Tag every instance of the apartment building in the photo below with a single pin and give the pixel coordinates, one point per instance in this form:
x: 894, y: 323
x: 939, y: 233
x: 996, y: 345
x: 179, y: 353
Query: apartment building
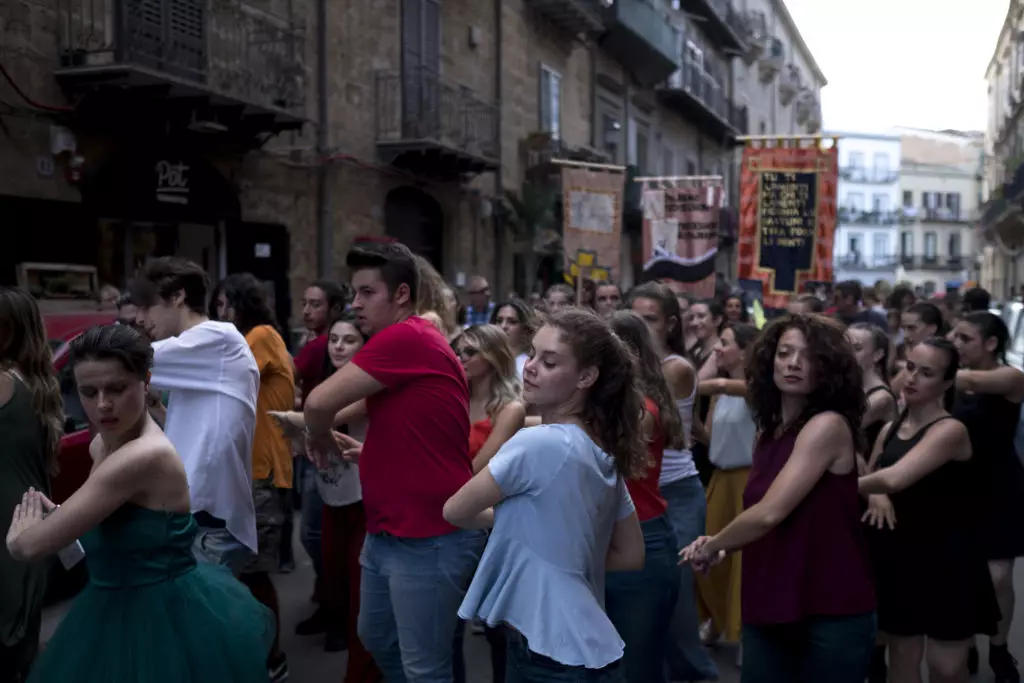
x: 270, y: 135
x: 940, y: 182
x: 778, y: 80
x: 867, y: 226
x: 1001, y: 225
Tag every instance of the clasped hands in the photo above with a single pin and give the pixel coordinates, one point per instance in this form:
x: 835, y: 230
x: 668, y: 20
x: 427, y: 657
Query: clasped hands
x: 698, y: 556
x: 320, y: 446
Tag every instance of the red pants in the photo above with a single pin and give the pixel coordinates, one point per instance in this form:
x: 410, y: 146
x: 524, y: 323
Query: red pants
x: 344, y: 529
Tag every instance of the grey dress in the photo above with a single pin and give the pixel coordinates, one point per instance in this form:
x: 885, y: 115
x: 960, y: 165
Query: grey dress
x: 22, y: 585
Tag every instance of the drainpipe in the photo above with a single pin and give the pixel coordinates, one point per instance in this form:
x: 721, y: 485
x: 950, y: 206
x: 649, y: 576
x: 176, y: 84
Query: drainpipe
x: 497, y: 215
x: 324, y: 234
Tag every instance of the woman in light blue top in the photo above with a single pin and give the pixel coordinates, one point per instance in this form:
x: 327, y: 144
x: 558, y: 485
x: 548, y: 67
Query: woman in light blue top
x: 556, y: 497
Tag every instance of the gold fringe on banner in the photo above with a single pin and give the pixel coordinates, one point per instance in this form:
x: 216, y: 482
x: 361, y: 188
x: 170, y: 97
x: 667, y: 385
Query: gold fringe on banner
x: 589, y: 166
x: 788, y: 141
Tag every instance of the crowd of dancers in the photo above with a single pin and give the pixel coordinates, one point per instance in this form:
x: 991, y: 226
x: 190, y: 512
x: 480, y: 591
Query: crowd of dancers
x: 604, y: 484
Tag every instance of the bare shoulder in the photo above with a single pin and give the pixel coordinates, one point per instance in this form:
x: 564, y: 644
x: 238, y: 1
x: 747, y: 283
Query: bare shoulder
x: 826, y: 427
x: 514, y: 411
x: 678, y: 372
x: 950, y: 431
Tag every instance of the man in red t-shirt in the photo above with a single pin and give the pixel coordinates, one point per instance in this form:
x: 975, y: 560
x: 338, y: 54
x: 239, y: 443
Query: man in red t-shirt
x: 416, y: 566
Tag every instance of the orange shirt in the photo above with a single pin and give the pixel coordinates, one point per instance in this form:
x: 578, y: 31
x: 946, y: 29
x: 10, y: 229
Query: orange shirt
x: 271, y: 452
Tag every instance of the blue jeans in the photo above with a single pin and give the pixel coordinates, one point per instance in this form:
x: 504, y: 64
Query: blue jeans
x: 814, y: 650
x: 688, y: 659
x: 640, y: 604
x: 217, y: 546
x: 410, y: 595
x: 525, y: 666
x: 311, y: 519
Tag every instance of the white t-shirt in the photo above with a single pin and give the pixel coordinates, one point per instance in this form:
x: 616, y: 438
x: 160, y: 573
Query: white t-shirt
x: 214, y: 382
x: 339, y: 484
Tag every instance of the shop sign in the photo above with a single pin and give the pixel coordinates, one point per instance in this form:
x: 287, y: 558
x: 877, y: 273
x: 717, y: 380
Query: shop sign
x: 172, y: 182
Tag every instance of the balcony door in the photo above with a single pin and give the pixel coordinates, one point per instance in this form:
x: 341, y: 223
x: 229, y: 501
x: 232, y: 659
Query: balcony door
x: 421, y: 89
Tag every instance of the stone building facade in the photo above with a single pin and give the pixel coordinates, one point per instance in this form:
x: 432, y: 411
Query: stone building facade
x: 129, y: 136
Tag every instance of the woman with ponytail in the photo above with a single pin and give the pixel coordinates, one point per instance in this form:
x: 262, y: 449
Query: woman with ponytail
x: 871, y: 348
x: 988, y: 399
x: 932, y: 583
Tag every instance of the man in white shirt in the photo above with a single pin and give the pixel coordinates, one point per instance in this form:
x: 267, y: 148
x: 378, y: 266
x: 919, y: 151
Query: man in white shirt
x: 213, y: 382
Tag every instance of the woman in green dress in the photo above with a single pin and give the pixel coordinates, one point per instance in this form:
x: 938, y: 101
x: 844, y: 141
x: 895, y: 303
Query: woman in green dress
x: 31, y: 421
x: 149, y: 613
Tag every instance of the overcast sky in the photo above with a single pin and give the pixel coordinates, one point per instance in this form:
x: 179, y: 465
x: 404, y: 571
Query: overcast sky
x: 916, y: 63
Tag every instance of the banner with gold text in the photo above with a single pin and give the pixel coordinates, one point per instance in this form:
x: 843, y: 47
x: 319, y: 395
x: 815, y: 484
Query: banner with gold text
x: 680, y: 233
x: 787, y: 218
x: 592, y: 222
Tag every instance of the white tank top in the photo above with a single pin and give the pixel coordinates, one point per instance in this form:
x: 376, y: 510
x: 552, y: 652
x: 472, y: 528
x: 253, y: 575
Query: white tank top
x: 732, y: 434
x: 679, y: 464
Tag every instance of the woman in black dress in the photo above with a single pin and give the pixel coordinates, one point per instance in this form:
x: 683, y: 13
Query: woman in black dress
x: 931, y: 576
x: 989, y: 394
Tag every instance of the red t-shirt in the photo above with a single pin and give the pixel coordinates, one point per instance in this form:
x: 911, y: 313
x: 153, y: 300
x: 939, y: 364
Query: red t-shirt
x: 309, y: 364
x: 645, y: 492
x: 416, y: 453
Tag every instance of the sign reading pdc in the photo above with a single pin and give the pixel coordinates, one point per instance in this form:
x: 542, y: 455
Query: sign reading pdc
x: 171, y: 182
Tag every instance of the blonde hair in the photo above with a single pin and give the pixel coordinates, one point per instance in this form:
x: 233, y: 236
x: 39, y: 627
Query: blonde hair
x: 433, y: 295
x: 492, y: 344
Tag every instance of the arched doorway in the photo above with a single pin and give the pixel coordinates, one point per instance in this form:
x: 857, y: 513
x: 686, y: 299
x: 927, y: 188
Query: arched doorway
x: 415, y: 219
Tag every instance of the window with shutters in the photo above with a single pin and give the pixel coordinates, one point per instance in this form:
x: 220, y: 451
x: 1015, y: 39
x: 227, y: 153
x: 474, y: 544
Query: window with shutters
x: 550, y: 101
x: 931, y: 245
x: 421, y: 66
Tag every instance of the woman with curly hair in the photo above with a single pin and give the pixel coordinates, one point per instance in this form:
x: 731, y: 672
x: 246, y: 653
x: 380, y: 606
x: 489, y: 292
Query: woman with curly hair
x: 556, y: 496
x: 435, y: 301
x: 808, y: 602
x: 31, y: 424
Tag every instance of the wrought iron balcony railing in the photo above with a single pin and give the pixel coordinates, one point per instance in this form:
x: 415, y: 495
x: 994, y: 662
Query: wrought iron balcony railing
x: 692, y: 79
x: 933, y: 262
x: 223, y: 46
x: 847, y: 215
x: 855, y: 261
x: 418, y: 105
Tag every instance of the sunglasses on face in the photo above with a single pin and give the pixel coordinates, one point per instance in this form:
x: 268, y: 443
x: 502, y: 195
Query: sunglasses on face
x: 466, y: 352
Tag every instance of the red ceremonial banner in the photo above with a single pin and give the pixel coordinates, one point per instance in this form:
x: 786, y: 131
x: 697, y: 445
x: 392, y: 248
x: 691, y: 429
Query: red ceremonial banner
x: 787, y: 218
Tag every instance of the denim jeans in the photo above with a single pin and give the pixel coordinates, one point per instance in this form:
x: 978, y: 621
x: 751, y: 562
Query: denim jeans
x: 814, y: 650
x: 310, y: 529
x: 525, y: 666
x: 410, y: 596
x: 640, y: 604
x: 217, y: 546
x: 688, y: 659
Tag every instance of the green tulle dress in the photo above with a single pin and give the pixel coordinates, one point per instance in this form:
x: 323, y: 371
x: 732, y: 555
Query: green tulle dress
x: 150, y: 614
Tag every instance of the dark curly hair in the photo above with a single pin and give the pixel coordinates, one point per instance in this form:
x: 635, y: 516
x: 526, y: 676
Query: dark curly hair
x: 834, y: 373
x: 613, y: 409
x: 248, y: 297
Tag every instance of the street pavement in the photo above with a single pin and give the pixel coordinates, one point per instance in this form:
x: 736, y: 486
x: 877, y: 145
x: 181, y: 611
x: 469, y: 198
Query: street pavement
x: 310, y: 664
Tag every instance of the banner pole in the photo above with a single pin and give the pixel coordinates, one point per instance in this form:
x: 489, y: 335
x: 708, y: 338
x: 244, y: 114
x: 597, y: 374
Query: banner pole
x: 587, y: 165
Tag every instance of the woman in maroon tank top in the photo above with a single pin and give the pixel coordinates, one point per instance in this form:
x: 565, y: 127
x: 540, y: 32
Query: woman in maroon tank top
x: 807, y: 599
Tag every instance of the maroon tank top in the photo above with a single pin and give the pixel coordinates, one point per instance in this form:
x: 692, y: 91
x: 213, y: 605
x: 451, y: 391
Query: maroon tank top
x: 815, y: 562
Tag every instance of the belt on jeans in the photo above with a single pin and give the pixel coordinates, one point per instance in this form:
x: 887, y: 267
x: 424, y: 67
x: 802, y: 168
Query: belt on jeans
x: 205, y: 519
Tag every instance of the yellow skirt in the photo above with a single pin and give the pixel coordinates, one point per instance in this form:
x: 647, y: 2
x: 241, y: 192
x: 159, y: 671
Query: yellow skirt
x: 718, y: 591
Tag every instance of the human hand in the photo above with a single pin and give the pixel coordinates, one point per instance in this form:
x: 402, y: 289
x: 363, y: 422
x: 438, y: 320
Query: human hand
x: 880, y: 512
x: 27, y: 514
x: 349, y: 448
x: 697, y: 555
x: 319, y: 447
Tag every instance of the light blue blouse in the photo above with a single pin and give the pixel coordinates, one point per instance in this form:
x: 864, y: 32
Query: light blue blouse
x: 544, y: 567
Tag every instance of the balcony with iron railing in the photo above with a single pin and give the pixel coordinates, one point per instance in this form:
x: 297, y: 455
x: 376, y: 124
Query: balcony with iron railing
x: 698, y: 97
x: 720, y: 21
x: 638, y: 35
x: 430, y: 126
x: 574, y: 17
x: 849, y: 216
x: 869, y: 176
x: 952, y: 262
x: 853, y: 260
x: 225, y: 58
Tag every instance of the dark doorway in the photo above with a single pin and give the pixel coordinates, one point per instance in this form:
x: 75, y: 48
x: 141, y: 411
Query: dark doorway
x: 262, y: 249
x: 415, y: 219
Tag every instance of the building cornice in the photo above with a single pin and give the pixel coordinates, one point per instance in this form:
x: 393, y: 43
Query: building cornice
x: 787, y: 19
x: 1003, y: 33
